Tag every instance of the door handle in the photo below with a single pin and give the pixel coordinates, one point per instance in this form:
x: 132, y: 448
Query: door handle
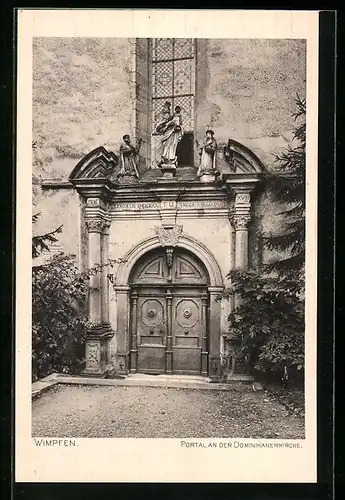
x: 186, y: 332
x: 152, y: 331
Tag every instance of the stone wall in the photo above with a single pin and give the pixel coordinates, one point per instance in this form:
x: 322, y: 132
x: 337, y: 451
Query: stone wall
x: 83, y: 94
x: 82, y: 98
x: 247, y: 90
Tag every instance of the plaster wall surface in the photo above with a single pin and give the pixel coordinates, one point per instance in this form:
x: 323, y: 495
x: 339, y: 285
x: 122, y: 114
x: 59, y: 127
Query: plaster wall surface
x: 83, y: 95
x: 60, y: 207
x: 82, y: 98
x: 247, y: 92
x: 215, y: 235
x: 124, y: 234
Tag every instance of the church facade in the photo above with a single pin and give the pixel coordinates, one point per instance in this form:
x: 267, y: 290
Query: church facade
x: 165, y: 228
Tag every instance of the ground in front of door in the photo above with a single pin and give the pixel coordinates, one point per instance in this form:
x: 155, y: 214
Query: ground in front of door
x: 157, y: 412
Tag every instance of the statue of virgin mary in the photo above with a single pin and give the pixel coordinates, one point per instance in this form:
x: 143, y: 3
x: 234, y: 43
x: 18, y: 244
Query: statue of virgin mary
x: 171, y: 131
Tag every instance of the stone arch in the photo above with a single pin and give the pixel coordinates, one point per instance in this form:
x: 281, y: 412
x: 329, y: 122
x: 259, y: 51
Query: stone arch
x: 185, y: 242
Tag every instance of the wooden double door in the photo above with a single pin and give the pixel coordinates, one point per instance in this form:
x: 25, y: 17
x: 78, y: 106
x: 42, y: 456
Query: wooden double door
x: 169, y: 330
x: 169, y: 309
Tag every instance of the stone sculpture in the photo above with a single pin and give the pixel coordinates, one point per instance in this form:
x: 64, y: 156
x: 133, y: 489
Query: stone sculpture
x: 170, y: 130
x: 207, y: 170
x: 128, y: 160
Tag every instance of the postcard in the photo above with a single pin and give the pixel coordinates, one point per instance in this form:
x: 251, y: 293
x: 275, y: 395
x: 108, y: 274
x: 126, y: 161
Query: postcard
x: 167, y: 233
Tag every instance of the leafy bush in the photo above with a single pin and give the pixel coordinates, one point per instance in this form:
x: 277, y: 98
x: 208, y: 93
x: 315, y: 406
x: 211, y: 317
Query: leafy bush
x: 269, y: 324
x: 58, y: 319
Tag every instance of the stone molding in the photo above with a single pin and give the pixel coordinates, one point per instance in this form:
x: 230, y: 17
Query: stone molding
x: 185, y: 242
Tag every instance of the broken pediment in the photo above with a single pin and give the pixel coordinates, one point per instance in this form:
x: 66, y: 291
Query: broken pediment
x: 241, y: 159
x: 98, y: 164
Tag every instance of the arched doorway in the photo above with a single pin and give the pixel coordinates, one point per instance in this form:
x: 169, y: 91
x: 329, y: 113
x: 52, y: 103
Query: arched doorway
x: 169, y: 313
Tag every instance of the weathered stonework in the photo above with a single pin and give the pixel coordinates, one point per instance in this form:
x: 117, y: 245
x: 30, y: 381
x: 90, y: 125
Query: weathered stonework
x: 107, y: 217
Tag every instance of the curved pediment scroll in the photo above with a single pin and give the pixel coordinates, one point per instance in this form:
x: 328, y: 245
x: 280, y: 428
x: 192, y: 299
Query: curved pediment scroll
x: 241, y: 159
x: 98, y: 164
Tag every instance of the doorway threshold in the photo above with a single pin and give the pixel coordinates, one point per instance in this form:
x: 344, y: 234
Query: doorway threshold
x: 164, y: 377
x: 139, y: 380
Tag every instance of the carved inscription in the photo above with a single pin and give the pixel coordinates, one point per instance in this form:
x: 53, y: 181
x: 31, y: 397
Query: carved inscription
x: 242, y: 198
x: 93, y: 202
x: 136, y: 206
x: 169, y: 204
x: 202, y: 204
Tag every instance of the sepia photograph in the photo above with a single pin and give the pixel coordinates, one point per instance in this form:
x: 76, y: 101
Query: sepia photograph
x: 168, y: 293
x: 169, y: 229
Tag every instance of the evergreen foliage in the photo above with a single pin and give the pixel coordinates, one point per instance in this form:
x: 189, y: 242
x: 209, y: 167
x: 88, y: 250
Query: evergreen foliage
x: 41, y: 242
x: 268, y: 325
x: 287, y: 186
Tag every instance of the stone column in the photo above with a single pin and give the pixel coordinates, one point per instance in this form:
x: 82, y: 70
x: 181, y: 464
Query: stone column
x: 123, y: 347
x: 95, y: 228
x: 133, y: 332
x: 204, y: 353
x: 240, y: 219
x: 95, y: 349
x: 104, y: 276
x: 214, y: 333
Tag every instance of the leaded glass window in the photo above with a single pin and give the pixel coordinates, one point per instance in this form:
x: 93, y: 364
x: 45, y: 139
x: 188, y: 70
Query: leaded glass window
x: 173, y: 79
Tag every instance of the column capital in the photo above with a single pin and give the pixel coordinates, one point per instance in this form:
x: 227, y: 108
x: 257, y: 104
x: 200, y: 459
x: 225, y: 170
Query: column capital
x: 240, y: 215
x: 240, y: 221
x: 95, y: 225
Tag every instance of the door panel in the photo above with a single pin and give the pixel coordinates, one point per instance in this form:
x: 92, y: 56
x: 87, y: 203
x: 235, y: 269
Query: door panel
x: 151, y: 332
x: 187, y: 333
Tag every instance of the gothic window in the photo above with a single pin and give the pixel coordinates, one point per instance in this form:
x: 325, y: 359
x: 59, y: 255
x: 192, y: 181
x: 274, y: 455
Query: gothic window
x: 173, y: 80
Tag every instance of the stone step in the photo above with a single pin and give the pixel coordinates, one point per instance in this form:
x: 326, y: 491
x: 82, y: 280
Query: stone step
x: 143, y: 380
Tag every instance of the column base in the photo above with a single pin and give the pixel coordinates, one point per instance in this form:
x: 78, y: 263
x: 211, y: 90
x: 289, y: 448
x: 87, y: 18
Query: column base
x: 97, y: 350
x: 214, y: 369
x: 122, y: 363
x: 204, y: 356
x: 94, y: 373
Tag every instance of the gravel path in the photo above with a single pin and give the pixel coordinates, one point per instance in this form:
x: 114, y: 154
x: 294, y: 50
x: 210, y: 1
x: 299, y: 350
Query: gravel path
x: 151, y: 412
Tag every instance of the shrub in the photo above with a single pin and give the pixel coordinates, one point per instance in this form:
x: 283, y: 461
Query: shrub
x: 269, y: 324
x: 58, y: 317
